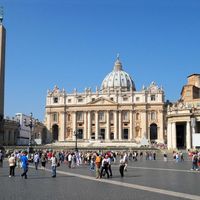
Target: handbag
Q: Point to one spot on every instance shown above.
(58, 164)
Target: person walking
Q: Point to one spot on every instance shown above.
(24, 161)
(12, 165)
(36, 160)
(109, 166)
(69, 157)
(165, 157)
(43, 160)
(125, 162)
(104, 167)
(121, 166)
(53, 165)
(194, 161)
(98, 165)
(1, 158)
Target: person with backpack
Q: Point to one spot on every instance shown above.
(104, 167)
(98, 165)
(194, 161)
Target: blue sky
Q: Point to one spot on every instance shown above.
(74, 43)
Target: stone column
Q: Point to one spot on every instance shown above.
(115, 125)
(144, 124)
(108, 125)
(161, 130)
(131, 125)
(174, 135)
(74, 125)
(85, 126)
(120, 125)
(49, 129)
(169, 135)
(63, 127)
(89, 125)
(96, 125)
(188, 136)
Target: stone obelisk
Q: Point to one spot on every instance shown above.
(2, 64)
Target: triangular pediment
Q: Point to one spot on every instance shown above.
(102, 101)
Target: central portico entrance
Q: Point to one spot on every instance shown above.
(181, 135)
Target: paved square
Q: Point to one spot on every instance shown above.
(143, 180)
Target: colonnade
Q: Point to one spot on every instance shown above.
(114, 125)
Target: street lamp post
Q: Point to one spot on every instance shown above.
(30, 125)
(76, 134)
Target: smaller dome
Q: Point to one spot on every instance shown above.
(118, 79)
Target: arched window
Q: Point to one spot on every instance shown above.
(55, 100)
(55, 132)
(153, 132)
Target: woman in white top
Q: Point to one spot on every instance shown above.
(121, 166)
(53, 165)
(12, 164)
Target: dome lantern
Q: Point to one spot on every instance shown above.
(118, 79)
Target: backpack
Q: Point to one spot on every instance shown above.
(98, 159)
(105, 163)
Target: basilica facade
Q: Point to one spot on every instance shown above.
(114, 113)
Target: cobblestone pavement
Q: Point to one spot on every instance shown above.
(143, 180)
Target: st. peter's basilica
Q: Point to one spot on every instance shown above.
(114, 113)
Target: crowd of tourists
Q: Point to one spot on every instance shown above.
(96, 161)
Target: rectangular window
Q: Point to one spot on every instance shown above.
(80, 100)
(69, 100)
(153, 115)
(111, 116)
(9, 135)
(101, 116)
(55, 117)
(137, 98)
(79, 116)
(55, 100)
(125, 99)
(153, 97)
(188, 93)
(125, 116)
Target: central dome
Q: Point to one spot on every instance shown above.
(118, 79)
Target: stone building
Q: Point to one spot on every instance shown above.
(30, 130)
(183, 116)
(10, 134)
(114, 113)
